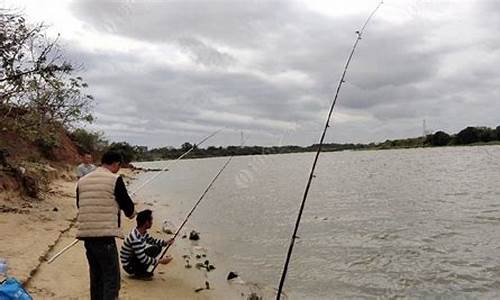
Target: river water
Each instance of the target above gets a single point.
(416, 223)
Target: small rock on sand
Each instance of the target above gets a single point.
(231, 275)
(199, 265)
(254, 296)
(194, 236)
(166, 227)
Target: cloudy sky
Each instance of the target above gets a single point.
(166, 72)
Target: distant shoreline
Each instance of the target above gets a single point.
(325, 149)
(470, 136)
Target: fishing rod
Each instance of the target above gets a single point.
(359, 34)
(142, 186)
(152, 268)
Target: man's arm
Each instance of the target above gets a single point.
(123, 199)
(158, 242)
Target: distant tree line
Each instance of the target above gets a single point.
(94, 142)
(467, 136)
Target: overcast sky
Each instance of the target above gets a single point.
(166, 72)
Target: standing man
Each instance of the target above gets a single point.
(100, 196)
(139, 250)
(86, 166)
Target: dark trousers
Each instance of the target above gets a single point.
(135, 267)
(104, 268)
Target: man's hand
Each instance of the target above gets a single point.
(169, 242)
(165, 260)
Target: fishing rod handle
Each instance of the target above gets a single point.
(62, 251)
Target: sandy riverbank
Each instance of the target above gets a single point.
(29, 228)
(32, 233)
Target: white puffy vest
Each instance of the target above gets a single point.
(98, 211)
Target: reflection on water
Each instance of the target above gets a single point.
(418, 223)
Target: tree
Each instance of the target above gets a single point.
(125, 149)
(486, 134)
(88, 141)
(61, 101)
(37, 89)
(439, 138)
(468, 135)
(25, 54)
(186, 146)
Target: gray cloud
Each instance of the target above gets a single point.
(235, 22)
(272, 66)
(204, 54)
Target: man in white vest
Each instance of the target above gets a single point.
(100, 197)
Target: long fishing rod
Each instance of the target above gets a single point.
(142, 186)
(311, 174)
(209, 186)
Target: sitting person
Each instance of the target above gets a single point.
(139, 250)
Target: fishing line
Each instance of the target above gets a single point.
(175, 161)
(311, 175)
